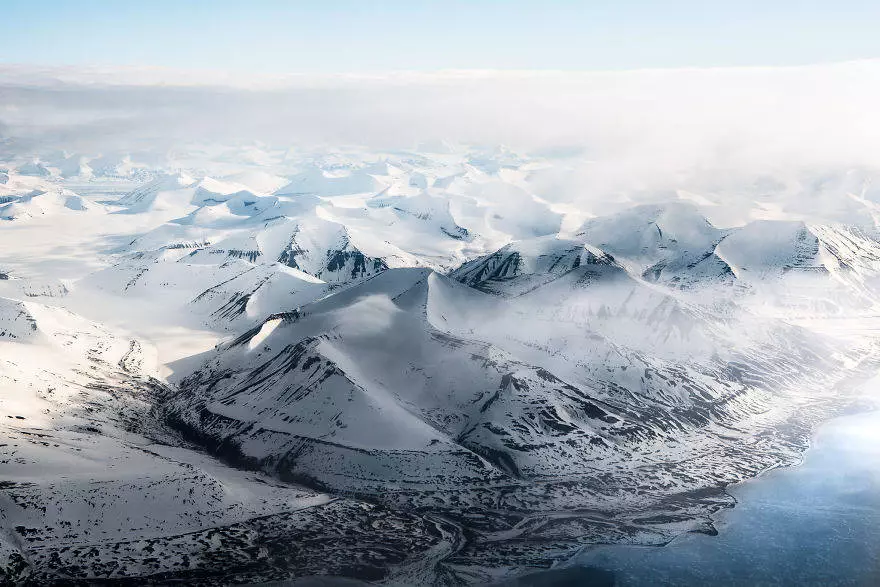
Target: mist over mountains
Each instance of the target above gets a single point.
(417, 328)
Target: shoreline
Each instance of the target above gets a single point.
(624, 562)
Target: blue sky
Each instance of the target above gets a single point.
(275, 36)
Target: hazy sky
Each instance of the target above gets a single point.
(276, 36)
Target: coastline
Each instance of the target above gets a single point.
(745, 526)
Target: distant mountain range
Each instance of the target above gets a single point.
(407, 368)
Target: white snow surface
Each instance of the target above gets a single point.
(249, 360)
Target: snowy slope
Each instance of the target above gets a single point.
(43, 203)
(168, 192)
(513, 401)
(526, 265)
(96, 486)
(411, 367)
(670, 242)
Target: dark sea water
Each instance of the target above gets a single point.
(817, 524)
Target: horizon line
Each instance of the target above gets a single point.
(37, 74)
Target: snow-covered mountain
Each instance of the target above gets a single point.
(250, 363)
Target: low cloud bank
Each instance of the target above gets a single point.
(610, 131)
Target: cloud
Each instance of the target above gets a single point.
(640, 129)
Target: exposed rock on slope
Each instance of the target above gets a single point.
(474, 412)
